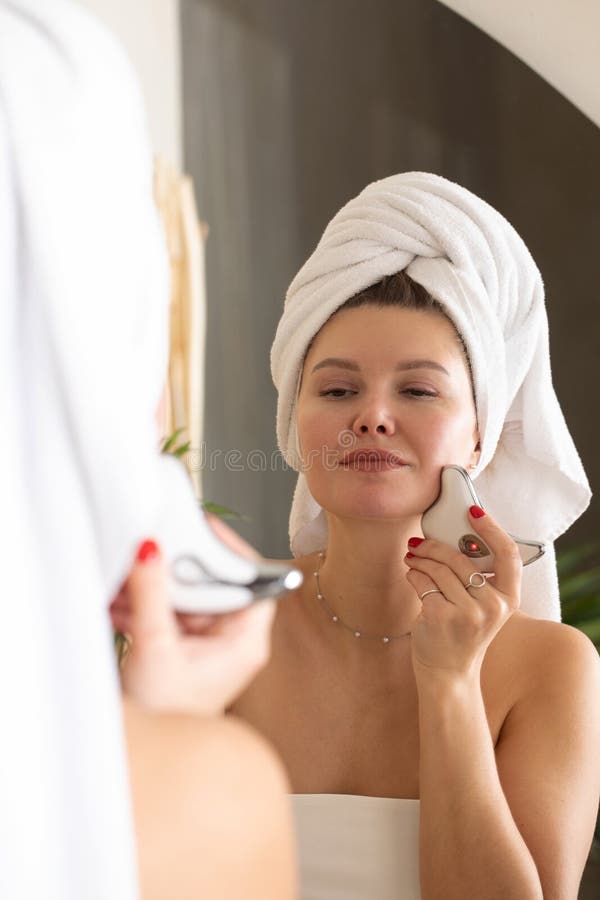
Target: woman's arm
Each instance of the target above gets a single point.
(517, 822)
(212, 815)
(211, 810)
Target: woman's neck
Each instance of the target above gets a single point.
(363, 575)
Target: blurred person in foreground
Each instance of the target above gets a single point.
(83, 343)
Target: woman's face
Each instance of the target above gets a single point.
(393, 381)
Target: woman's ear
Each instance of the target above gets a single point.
(475, 456)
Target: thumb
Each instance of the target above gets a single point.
(151, 614)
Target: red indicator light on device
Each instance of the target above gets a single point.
(473, 547)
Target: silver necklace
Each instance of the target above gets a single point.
(383, 639)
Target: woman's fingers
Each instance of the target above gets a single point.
(432, 604)
(508, 566)
(149, 611)
(141, 604)
(420, 581)
(442, 559)
(195, 623)
(439, 575)
(191, 661)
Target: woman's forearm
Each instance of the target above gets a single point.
(470, 845)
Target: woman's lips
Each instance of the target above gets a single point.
(372, 461)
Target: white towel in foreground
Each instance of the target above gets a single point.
(83, 352)
(475, 264)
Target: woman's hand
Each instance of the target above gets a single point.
(457, 625)
(185, 662)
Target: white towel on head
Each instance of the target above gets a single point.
(475, 264)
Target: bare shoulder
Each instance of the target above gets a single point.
(205, 746)
(539, 668)
(530, 657)
(200, 787)
(545, 641)
(541, 649)
(549, 743)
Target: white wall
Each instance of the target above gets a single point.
(559, 39)
(149, 32)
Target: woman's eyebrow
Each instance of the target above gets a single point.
(338, 363)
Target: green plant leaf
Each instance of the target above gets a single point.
(568, 560)
(579, 584)
(222, 511)
(585, 582)
(121, 642)
(587, 607)
(170, 441)
(181, 451)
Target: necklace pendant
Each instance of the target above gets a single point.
(334, 618)
(385, 640)
(357, 634)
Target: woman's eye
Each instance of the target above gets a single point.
(419, 392)
(342, 393)
(336, 393)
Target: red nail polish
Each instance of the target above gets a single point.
(148, 550)
(476, 512)
(415, 541)
(409, 555)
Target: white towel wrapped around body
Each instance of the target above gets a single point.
(473, 262)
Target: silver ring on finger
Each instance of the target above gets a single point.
(431, 591)
(472, 583)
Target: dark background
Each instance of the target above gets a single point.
(290, 109)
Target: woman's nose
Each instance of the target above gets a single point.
(374, 420)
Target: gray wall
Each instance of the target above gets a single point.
(290, 108)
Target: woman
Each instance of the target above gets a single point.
(441, 738)
(83, 347)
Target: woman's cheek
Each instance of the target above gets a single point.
(437, 438)
(435, 430)
(309, 436)
(318, 429)
(447, 440)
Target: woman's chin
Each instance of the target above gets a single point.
(373, 508)
(374, 500)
